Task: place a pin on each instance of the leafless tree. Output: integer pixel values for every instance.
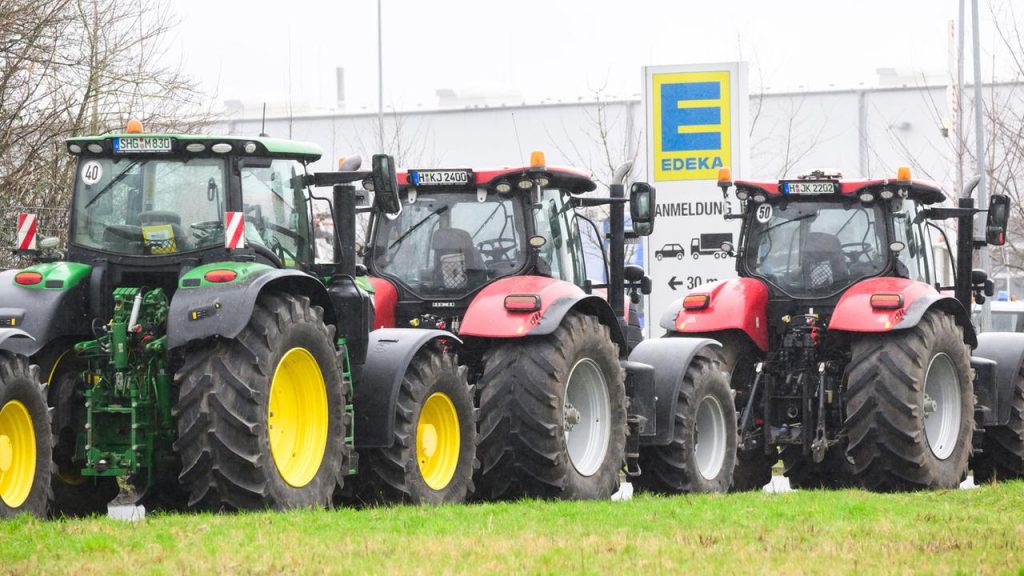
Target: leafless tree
(79, 67)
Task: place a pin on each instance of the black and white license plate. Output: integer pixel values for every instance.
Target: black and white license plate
(440, 177)
(144, 145)
(828, 187)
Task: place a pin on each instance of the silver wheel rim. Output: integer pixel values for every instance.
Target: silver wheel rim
(942, 406)
(586, 417)
(709, 437)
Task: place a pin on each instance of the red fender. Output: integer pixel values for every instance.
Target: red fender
(385, 300)
(853, 312)
(486, 316)
(736, 304)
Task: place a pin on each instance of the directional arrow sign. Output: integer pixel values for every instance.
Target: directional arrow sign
(673, 283)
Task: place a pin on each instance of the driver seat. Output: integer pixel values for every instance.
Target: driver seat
(456, 259)
(822, 262)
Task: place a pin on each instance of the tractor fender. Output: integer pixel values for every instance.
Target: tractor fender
(1007, 350)
(377, 383)
(30, 318)
(225, 309)
(670, 358)
(486, 316)
(385, 301)
(736, 304)
(853, 312)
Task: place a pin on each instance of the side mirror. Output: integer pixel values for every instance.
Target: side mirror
(385, 185)
(633, 273)
(998, 217)
(641, 208)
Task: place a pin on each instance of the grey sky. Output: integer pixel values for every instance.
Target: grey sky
(548, 49)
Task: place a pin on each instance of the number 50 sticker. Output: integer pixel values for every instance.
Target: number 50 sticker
(764, 213)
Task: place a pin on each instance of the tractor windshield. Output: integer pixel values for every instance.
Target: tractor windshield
(813, 249)
(148, 207)
(448, 244)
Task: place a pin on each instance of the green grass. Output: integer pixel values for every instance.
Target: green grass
(849, 532)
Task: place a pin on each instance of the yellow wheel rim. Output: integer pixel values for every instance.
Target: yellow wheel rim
(17, 454)
(438, 441)
(297, 417)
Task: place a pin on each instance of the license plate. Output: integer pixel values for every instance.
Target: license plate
(144, 145)
(809, 187)
(440, 177)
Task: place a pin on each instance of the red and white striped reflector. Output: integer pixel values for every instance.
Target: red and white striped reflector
(27, 224)
(234, 231)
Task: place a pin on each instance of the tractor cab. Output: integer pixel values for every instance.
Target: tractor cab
(462, 230)
(812, 238)
(161, 201)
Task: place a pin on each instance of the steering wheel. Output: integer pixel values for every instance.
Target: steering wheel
(856, 250)
(496, 248)
(286, 231)
(205, 230)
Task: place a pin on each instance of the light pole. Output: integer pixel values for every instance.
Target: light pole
(979, 151)
(380, 80)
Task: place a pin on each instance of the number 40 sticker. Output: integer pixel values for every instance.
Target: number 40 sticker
(764, 213)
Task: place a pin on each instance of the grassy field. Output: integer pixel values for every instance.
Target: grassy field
(849, 532)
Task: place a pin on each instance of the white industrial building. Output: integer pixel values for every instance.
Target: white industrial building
(861, 132)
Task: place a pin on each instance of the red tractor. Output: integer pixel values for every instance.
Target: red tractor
(567, 393)
(848, 359)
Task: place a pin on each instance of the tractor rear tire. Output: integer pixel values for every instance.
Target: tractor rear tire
(261, 417)
(433, 453)
(26, 440)
(833, 473)
(1002, 456)
(898, 382)
(74, 495)
(533, 441)
(704, 409)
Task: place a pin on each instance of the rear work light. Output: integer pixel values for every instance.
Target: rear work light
(887, 301)
(522, 302)
(28, 278)
(696, 301)
(220, 276)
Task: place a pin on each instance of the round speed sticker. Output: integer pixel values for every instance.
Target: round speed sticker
(92, 171)
(764, 213)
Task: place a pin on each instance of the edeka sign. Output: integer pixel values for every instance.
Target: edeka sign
(692, 130)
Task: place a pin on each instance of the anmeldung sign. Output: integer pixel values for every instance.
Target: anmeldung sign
(695, 119)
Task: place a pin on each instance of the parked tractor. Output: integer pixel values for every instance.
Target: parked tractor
(193, 342)
(848, 358)
(567, 392)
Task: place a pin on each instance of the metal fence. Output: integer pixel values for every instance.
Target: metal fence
(53, 221)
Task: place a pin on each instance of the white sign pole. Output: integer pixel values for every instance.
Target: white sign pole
(696, 123)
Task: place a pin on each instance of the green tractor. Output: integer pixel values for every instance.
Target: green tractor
(198, 342)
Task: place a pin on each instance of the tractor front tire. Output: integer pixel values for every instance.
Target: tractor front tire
(910, 407)
(433, 453)
(261, 418)
(74, 495)
(26, 440)
(553, 415)
(702, 454)
(1002, 456)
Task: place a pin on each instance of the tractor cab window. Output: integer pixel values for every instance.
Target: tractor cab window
(274, 203)
(562, 253)
(148, 207)
(813, 249)
(448, 244)
(913, 260)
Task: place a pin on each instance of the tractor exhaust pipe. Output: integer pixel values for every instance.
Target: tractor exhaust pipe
(617, 234)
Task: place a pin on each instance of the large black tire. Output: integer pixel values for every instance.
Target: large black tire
(74, 495)
(523, 447)
(834, 472)
(224, 419)
(886, 408)
(24, 418)
(394, 474)
(1002, 456)
(737, 357)
(704, 405)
